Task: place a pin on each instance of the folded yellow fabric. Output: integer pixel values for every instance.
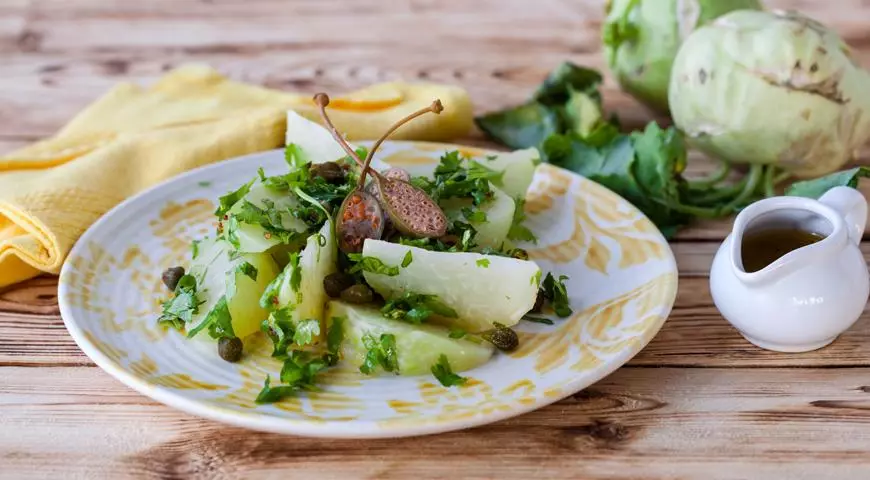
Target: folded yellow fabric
(134, 137)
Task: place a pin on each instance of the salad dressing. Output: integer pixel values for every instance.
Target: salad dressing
(762, 248)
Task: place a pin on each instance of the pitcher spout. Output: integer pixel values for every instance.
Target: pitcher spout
(790, 213)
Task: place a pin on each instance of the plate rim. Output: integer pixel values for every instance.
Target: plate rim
(358, 429)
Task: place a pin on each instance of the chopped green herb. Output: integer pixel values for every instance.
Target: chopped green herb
(218, 320)
(334, 337)
(247, 270)
(474, 216)
(457, 333)
(269, 299)
(381, 352)
(518, 231)
(194, 247)
(444, 373)
(536, 279)
(454, 180)
(270, 394)
(556, 292)
(407, 260)
(227, 201)
(298, 373)
(545, 321)
(204, 184)
(295, 272)
(371, 265)
(270, 218)
(483, 263)
(179, 310)
(295, 156)
(416, 308)
(279, 328)
(306, 332)
(232, 232)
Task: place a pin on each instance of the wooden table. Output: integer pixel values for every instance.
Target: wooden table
(698, 402)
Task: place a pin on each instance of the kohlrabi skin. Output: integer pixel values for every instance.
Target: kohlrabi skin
(642, 37)
(771, 88)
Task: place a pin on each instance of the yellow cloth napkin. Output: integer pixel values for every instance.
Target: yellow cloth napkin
(134, 137)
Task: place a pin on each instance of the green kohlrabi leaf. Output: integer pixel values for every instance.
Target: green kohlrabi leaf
(817, 187)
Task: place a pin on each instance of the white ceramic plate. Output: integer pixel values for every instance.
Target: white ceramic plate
(623, 280)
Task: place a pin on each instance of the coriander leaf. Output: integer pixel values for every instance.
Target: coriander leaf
(227, 201)
(407, 259)
(416, 308)
(457, 333)
(444, 373)
(817, 187)
(306, 331)
(556, 292)
(371, 265)
(483, 263)
(518, 231)
(381, 352)
(334, 337)
(179, 310)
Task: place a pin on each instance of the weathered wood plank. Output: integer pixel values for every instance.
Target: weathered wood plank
(637, 423)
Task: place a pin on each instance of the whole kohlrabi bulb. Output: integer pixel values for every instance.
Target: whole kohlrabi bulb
(641, 39)
(771, 88)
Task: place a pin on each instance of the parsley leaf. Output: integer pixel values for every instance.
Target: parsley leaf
(416, 308)
(483, 263)
(407, 260)
(179, 310)
(269, 218)
(444, 373)
(371, 265)
(270, 394)
(218, 321)
(453, 180)
(306, 331)
(518, 231)
(334, 337)
(556, 292)
(298, 373)
(381, 353)
(227, 201)
(295, 156)
(474, 216)
(279, 328)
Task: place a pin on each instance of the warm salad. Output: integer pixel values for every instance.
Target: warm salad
(336, 261)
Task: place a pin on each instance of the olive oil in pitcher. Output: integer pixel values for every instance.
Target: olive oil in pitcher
(760, 249)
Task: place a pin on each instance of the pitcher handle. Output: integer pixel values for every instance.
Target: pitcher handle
(852, 205)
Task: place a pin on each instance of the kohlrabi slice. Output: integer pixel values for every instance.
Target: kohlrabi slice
(316, 142)
(499, 211)
(252, 237)
(418, 347)
(482, 289)
(518, 167)
(301, 290)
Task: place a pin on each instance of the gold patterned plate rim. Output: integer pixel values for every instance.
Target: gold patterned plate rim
(629, 290)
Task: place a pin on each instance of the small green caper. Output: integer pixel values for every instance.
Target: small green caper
(502, 337)
(171, 276)
(329, 171)
(358, 293)
(335, 283)
(230, 348)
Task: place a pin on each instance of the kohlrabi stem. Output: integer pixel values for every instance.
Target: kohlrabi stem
(768, 181)
(714, 179)
(435, 108)
(754, 176)
(716, 195)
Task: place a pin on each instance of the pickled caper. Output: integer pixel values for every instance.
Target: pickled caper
(358, 293)
(230, 348)
(502, 337)
(335, 283)
(171, 276)
(329, 171)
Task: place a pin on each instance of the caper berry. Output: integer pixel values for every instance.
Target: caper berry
(502, 337)
(358, 293)
(171, 276)
(230, 348)
(329, 171)
(335, 283)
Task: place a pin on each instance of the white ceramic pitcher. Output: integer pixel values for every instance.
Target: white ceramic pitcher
(807, 297)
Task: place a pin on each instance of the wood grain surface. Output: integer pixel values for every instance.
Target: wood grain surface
(698, 402)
